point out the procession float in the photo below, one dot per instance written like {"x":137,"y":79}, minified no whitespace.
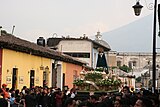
{"x":101,"y":79}
{"x":97,"y":81}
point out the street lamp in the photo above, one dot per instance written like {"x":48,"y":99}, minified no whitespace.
{"x":0,"y":30}
{"x":137,"y":8}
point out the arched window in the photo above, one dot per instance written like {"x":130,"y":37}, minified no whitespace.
{"x":130,"y":64}
{"x":134,"y":63}
{"x":119,"y":63}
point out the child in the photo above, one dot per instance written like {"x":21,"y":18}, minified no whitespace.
{"x":12,"y":99}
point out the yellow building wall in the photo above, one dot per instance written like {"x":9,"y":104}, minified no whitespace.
{"x":64,"y":67}
{"x":24,"y":63}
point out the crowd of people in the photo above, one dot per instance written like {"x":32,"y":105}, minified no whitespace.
{"x":55,"y":97}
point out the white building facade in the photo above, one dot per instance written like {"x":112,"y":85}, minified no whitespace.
{"x":81,"y":48}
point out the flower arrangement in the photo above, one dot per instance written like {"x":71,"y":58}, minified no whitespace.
{"x":100,"y":69}
{"x":97,"y":81}
{"x":117,"y":82}
{"x":78,"y":82}
{"x":100,"y":82}
{"x":93,"y":76}
{"x":105,"y":82}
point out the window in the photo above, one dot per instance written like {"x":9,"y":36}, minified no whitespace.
{"x":130,"y":64}
{"x":75,"y":74}
{"x":134,"y":63}
{"x":80,"y":55}
{"x":118,"y":63}
{"x":45,"y":77}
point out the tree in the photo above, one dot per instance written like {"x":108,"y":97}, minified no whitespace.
{"x":138,"y":79}
{"x":125,"y":68}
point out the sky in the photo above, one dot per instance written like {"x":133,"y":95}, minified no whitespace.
{"x":35,"y":18}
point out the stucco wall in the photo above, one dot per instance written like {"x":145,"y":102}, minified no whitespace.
{"x":24,"y":63}
{"x":70,"y":71}
{"x":77,"y":46}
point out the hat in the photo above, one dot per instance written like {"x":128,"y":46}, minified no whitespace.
{"x":4,"y":85}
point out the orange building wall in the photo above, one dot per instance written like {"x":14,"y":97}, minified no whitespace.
{"x":69,"y":73}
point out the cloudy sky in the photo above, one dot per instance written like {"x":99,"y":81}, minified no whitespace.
{"x":34,"y":18}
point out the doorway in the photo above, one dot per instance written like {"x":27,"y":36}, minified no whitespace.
{"x":32,"y":76}
{"x":45,"y":78}
{"x":14,"y":78}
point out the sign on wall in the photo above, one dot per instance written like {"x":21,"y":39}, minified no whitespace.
{"x":8,"y":79}
{"x":21,"y":79}
{"x":37,"y":80}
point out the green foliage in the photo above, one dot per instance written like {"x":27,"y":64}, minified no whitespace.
{"x":125,"y":68}
{"x":113,"y":67}
{"x":100,"y":82}
{"x":4,"y":32}
{"x":93,"y":76}
{"x":78,"y":82}
{"x":138,"y":79}
{"x":100,"y":69}
{"x":117,"y":82}
{"x":108,"y":82}
{"x":105,"y":82}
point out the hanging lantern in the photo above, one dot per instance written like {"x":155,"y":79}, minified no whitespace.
{"x":137,"y":8}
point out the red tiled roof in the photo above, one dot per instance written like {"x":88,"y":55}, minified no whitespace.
{"x":14,"y":43}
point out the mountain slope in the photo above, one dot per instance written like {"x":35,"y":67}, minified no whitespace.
{"x":134,"y":37}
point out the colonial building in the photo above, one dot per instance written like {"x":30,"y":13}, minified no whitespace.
{"x":111,"y":58}
{"x":23,"y":63}
{"x":81,"y":48}
{"x":134,"y":60}
{"x":140,"y":62}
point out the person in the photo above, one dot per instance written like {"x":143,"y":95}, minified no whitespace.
{"x":6,"y":94}
{"x":59,"y":97}
{"x":16,"y":102}
{"x":44,"y":83}
{"x":126,"y":96}
{"x":117,"y":103}
{"x":70,"y":102}
{"x":24,"y":89}
{"x":29,"y":99}
{"x":3,"y":101}
{"x":94,"y":101}
{"x":86,"y":104}
{"x":12,"y":99}
{"x":52,"y":100}
{"x":44,"y":98}
{"x":118,"y":97}
{"x":143,"y":102}
{"x":72,"y":92}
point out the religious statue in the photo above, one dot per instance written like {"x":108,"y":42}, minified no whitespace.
{"x":101,"y":61}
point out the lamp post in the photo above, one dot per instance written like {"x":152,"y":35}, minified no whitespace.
{"x":137,"y":10}
{"x":0,"y":30}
